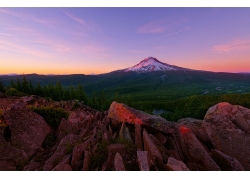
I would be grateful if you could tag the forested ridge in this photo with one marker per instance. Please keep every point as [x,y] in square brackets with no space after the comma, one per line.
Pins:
[192,106]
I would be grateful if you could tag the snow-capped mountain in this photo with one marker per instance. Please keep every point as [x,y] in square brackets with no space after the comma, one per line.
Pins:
[151,64]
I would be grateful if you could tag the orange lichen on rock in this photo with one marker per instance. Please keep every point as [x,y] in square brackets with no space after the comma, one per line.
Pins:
[119,112]
[184,129]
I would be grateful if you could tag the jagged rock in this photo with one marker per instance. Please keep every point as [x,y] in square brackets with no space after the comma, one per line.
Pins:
[65,147]
[174,148]
[28,129]
[160,137]
[195,125]
[6,165]
[150,147]
[160,147]
[194,151]
[123,113]
[124,133]
[114,148]
[65,128]
[33,166]
[118,163]
[226,162]
[221,123]
[138,137]
[105,138]
[62,167]
[10,156]
[142,157]
[176,165]
[77,155]
[192,166]
[86,162]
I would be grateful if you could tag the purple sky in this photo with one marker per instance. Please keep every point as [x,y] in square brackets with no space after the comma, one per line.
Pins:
[100,40]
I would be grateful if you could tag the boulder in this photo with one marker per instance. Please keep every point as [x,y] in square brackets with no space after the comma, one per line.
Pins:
[77,155]
[142,158]
[160,137]
[118,163]
[86,162]
[150,147]
[226,162]
[223,123]
[66,127]
[195,125]
[62,167]
[28,129]
[123,113]
[65,147]
[194,151]
[138,137]
[10,156]
[124,133]
[175,165]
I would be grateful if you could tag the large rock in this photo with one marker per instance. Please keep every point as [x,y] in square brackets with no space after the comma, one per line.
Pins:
[28,129]
[118,163]
[226,162]
[195,152]
[77,155]
[195,125]
[228,129]
[123,113]
[65,147]
[175,165]
[124,133]
[10,156]
[142,158]
[153,151]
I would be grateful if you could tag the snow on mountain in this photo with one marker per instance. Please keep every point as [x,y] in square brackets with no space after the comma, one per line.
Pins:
[151,64]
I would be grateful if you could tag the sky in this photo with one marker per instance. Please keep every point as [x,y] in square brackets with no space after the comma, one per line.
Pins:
[99,40]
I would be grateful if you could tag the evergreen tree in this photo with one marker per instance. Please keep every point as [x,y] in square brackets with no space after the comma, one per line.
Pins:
[25,85]
[2,88]
[58,91]
[72,93]
[31,88]
[81,94]
[13,84]
[39,90]
[19,86]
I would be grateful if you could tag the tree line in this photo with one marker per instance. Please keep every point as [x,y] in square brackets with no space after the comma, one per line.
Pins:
[57,92]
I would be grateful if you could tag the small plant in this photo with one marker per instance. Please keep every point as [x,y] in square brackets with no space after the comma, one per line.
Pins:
[14,92]
[51,115]
[100,156]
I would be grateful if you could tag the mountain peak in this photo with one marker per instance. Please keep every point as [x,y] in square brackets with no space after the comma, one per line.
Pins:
[151,64]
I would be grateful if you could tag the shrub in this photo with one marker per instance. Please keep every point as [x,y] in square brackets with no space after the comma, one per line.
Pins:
[14,92]
[51,115]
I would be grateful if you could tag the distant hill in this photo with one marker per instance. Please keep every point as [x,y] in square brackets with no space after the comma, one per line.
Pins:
[150,80]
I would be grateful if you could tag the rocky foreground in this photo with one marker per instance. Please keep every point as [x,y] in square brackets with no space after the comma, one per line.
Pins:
[122,139]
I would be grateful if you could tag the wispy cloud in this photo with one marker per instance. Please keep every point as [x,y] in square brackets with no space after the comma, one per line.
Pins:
[169,34]
[159,26]
[24,16]
[236,45]
[22,49]
[5,34]
[90,25]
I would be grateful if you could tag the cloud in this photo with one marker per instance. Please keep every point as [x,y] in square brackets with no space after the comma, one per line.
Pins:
[5,34]
[237,45]
[159,26]
[24,16]
[88,24]
[21,49]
